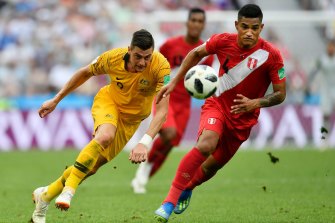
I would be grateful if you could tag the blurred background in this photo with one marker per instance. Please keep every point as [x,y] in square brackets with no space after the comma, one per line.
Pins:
[42,43]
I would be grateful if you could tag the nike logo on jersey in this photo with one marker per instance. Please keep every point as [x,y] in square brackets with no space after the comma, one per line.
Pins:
[238,73]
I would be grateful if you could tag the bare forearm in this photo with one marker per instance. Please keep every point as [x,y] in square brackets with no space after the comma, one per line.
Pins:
[156,124]
[272,99]
[159,118]
[80,77]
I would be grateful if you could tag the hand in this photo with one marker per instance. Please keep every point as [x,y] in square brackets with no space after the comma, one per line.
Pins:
[47,107]
[138,154]
[164,92]
[243,104]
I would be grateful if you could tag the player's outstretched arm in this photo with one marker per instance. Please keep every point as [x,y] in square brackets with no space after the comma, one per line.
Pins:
[191,59]
[139,153]
[79,77]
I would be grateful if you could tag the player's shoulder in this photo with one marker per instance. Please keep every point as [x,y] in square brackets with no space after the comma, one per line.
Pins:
[159,62]
[224,37]
[158,58]
[270,47]
[117,52]
[115,55]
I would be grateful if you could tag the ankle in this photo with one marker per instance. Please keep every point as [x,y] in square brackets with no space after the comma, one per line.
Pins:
[69,189]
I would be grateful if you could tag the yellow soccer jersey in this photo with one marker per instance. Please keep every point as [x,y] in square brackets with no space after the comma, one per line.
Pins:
[133,93]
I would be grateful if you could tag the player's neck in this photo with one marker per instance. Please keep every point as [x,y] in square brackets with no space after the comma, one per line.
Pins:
[191,40]
[246,47]
[129,67]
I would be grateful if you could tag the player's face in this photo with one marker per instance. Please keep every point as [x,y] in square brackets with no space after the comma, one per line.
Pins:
[248,31]
[139,59]
[195,25]
[331,49]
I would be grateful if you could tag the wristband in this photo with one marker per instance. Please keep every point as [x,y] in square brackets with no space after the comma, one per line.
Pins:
[146,140]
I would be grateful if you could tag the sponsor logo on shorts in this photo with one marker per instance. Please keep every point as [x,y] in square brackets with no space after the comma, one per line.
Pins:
[211,121]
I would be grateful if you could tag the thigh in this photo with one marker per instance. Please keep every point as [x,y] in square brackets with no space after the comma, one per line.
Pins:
[123,134]
[229,143]
[211,119]
[104,110]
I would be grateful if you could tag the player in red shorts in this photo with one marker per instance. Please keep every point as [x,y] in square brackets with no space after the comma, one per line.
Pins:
[175,50]
[249,65]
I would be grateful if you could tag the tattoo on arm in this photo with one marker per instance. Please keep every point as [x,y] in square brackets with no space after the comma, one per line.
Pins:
[271,99]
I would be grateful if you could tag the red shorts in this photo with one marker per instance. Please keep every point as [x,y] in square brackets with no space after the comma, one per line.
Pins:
[230,138]
[178,116]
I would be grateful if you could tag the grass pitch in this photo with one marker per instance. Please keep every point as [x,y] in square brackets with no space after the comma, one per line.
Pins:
[298,188]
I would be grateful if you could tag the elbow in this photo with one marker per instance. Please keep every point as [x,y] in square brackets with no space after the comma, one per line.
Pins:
[195,53]
[282,98]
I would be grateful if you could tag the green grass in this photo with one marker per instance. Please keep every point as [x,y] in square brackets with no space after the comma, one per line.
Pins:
[300,188]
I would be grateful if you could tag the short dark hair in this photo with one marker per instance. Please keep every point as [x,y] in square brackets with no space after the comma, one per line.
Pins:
[142,39]
[196,10]
[250,11]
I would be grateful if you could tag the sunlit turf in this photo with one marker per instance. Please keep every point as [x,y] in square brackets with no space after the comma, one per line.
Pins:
[298,188]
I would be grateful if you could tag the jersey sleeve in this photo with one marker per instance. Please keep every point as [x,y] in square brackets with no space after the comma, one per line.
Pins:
[212,44]
[101,64]
[277,70]
[163,72]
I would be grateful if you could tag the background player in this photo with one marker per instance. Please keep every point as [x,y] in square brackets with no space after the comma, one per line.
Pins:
[175,50]
[249,65]
[136,73]
[323,78]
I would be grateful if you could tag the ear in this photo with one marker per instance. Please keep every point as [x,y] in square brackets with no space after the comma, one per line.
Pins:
[236,24]
[129,49]
[262,26]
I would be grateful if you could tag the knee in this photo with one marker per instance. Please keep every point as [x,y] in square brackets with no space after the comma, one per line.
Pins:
[207,145]
[168,135]
[210,170]
[104,139]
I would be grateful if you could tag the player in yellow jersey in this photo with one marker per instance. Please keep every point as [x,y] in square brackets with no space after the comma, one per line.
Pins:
[137,73]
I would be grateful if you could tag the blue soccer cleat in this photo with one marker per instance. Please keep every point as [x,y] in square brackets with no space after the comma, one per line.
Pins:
[163,213]
[183,202]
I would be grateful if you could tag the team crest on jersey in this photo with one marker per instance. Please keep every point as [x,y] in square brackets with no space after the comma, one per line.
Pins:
[211,121]
[144,82]
[252,63]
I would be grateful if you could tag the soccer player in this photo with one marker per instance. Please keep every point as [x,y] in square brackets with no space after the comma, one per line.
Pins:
[249,65]
[324,76]
[137,73]
[175,50]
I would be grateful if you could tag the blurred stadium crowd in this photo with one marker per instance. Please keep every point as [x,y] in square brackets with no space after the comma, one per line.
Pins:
[42,42]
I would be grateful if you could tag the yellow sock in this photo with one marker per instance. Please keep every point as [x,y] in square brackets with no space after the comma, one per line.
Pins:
[56,187]
[84,164]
